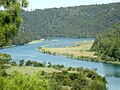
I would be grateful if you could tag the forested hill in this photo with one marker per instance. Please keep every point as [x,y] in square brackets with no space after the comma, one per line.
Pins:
[79,21]
[107,45]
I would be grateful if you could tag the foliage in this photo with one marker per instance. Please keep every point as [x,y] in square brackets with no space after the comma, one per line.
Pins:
[79,21]
[34,64]
[24,37]
[28,63]
[4,58]
[49,64]
[10,19]
[21,63]
[18,81]
[85,79]
[2,72]
[108,45]
[62,79]
[13,63]
[58,67]
[38,64]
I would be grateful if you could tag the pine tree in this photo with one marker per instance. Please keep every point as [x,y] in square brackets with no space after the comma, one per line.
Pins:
[10,19]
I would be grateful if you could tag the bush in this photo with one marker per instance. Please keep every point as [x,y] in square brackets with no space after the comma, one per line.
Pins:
[21,63]
[28,63]
[34,64]
[70,69]
[2,72]
[18,81]
[13,63]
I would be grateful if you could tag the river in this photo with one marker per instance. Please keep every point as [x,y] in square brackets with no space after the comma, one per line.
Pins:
[29,52]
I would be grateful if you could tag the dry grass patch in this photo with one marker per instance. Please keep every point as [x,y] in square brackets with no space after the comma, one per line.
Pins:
[80,49]
[30,70]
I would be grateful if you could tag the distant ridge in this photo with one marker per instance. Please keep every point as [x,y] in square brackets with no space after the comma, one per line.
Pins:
[78,21]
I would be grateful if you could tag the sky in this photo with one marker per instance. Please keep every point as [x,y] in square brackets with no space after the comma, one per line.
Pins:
[43,4]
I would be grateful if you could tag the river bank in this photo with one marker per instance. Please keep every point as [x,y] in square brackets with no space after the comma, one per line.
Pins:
[4,56]
[29,52]
[79,51]
[31,42]
[65,78]
[36,41]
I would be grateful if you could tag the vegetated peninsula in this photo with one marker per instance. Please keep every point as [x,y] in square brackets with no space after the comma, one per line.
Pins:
[80,50]
[79,21]
[105,48]
[107,45]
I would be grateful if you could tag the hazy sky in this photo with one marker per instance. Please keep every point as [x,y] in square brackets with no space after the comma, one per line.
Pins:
[41,4]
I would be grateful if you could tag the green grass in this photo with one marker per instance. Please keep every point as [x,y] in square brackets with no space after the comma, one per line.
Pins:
[30,69]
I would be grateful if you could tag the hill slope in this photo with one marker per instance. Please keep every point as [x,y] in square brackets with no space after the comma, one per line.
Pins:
[108,44]
[72,21]
[79,21]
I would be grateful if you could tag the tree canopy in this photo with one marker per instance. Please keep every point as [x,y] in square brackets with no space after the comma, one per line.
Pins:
[107,45]
[10,19]
[77,22]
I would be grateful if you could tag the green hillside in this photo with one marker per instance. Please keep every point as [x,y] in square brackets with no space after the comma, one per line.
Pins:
[78,21]
[107,45]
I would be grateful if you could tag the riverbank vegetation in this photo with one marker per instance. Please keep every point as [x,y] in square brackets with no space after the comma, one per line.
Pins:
[77,22]
[35,41]
[107,45]
[24,37]
[50,78]
[81,50]
[4,58]
[36,75]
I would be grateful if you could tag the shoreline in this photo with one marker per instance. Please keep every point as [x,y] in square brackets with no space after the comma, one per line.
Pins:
[29,43]
[35,41]
[8,46]
[71,52]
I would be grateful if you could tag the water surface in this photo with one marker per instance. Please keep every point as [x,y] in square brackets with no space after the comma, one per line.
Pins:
[29,52]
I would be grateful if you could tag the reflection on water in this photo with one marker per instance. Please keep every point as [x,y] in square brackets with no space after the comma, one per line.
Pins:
[115,74]
[111,70]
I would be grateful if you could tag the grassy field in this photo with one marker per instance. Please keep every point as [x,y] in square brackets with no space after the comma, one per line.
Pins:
[80,49]
[30,70]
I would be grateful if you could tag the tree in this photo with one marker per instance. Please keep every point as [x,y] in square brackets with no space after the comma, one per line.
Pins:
[10,19]
[13,63]
[107,45]
[28,63]
[4,58]
[21,62]
[49,64]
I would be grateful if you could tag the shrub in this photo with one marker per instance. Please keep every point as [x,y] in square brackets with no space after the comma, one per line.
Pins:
[18,81]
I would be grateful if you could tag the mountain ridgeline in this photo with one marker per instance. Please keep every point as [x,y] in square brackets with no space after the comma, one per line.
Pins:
[77,22]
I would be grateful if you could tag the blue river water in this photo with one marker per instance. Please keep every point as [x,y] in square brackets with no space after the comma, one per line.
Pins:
[29,52]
